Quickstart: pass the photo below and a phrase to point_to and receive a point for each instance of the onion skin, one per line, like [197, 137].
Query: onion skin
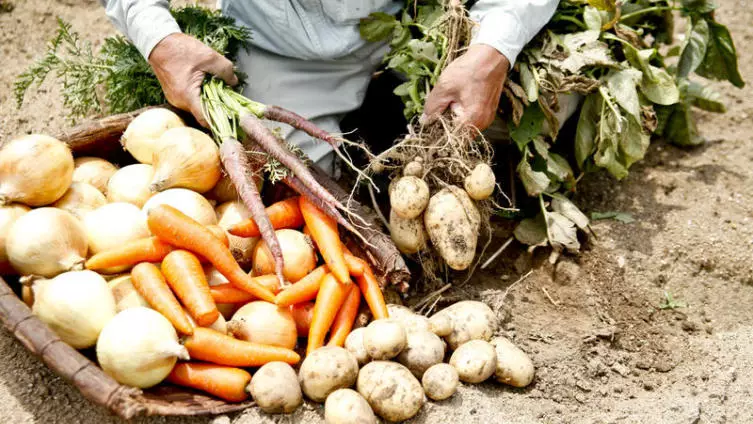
[80, 199]
[142, 135]
[35, 170]
[186, 158]
[94, 171]
[114, 224]
[131, 184]
[298, 255]
[265, 323]
[189, 202]
[8, 215]
[229, 214]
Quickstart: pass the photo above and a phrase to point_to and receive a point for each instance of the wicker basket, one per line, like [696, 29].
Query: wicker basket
[101, 138]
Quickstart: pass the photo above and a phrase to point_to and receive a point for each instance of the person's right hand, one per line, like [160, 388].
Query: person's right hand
[180, 63]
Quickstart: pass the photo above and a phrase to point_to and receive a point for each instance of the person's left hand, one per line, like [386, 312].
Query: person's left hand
[470, 87]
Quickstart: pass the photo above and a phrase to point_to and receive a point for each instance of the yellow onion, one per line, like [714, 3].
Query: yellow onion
[186, 158]
[298, 255]
[142, 135]
[80, 199]
[215, 278]
[189, 202]
[265, 323]
[94, 171]
[131, 184]
[229, 214]
[125, 294]
[8, 215]
[113, 225]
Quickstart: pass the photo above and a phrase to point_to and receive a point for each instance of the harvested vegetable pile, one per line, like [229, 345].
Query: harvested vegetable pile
[614, 64]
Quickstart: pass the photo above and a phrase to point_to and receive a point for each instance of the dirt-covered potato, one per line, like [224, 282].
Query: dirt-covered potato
[440, 325]
[275, 388]
[384, 339]
[440, 381]
[479, 184]
[413, 169]
[409, 196]
[346, 406]
[391, 390]
[475, 361]
[325, 370]
[423, 350]
[354, 345]
[514, 367]
[410, 320]
[471, 320]
[408, 234]
[453, 222]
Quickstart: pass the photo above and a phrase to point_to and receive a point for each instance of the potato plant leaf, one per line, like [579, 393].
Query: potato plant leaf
[567, 208]
[585, 134]
[530, 126]
[694, 49]
[378, 26]
[720, 62]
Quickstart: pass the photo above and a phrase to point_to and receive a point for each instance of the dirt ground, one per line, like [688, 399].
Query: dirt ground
[605, 351]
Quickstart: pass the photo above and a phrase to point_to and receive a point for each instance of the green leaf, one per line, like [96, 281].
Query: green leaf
[661, 88]
[377, 26]
[423, 50]
[535, 182]
[607, 151]
[584, 49]
[704, 97]
[530, 126]
[404, 88]
[562, 232]
[633, 141]
[698, 6]
[681, 129]
[593, 18]
[608, 5]
[623, 217]
[428, 14]
[558, 167]
[532, 231]
[528, 82]
[694, 49]
[400, 37]
[585, 135]
[622, 86]
[567, 208]
[720, 62]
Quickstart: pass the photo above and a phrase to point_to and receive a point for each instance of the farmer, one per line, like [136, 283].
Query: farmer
[308, 56]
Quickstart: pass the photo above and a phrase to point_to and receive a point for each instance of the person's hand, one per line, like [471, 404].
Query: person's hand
[180, 63]
[470, 87]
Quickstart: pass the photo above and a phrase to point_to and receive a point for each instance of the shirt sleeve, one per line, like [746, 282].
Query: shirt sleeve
[508, 25]
[144, 22]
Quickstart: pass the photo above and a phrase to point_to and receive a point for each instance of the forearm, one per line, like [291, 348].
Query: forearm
[144, 22]
[508, 25]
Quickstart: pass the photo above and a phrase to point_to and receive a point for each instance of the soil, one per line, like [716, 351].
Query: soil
[608, 345]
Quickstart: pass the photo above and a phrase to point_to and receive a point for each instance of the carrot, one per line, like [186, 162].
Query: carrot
[354, 263]
[150, 249]
[186, 277]
[345, 317]
[283, 214]
[324, 232]
[226, 383]
[212, 346]
[228, 293]
[302, 315]
[150, 283]
[176, 228]
[372, 293]
[331, 295]
[302, 290]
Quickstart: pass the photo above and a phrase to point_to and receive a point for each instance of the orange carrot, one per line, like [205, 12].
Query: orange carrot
[226, 383]
[283, 214]
[186, 277]
[228, 293]
[150, 249]
[324, 232]
[345, 317]
[150, 283]
[355, 264]
[328, 301]
[304, 289]
[176, 228]
[372, 293]
[302, 315]
[212, 346]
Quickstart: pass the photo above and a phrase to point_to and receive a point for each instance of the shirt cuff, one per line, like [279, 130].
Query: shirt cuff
[504, 31]
[147, 26]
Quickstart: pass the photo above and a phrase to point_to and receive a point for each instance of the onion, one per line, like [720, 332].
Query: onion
[302, 315]
[35, 170]
[215, 278]
[46, 242]
[189, 202]
[297, 253]
[229, 214]
[224, 190]
[125, 294]
[142, 135]
[76, 305]
[113, 225]
[139, 348]
[186, 157]
[94, 171]
[131, 184]
[80, 199]
[8, 215]
[265, 323]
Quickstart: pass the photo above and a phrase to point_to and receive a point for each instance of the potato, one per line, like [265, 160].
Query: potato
[440, 381]
[325, 370]
[354, 345]
[384, 339]
[275, 388]
[480, 183]
[346, 406]
[453, 222]
[414, 169]
[410, 320]
[440, 325]
[471, 320]
[391, 390]
[408, 234]
[514, 367]
[409, 196]
[475, 361]
[423, 350]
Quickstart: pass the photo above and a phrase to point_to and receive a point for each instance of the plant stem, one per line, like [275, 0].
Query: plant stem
[647, 10]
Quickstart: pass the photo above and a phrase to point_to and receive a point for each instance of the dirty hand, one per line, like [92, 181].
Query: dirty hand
[470, 87]
[180, 63]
